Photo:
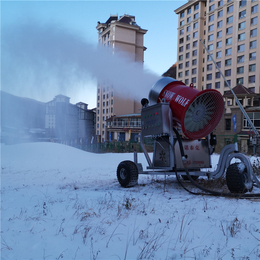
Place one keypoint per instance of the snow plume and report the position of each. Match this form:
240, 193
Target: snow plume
43, 60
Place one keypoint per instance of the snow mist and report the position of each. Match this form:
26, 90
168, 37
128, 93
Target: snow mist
43, 60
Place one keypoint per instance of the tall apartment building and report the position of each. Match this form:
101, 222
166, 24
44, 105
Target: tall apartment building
119, 33
230, 30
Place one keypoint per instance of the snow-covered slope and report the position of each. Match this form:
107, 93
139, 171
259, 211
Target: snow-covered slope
58, 202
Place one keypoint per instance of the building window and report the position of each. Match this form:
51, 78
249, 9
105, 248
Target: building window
188, 37
254, 21
195, 34
240, 70
187, 55
189, 10
186, 82
212, 7
220, 3
209, 67
187, 73
180, 66
242, 3
188, 28
219, 44
194, 71
181, 40
195, 44
210, 37
181, 23
228, 51
229, 30
180, 75
220, 13
242, 14
230, 9
230, 19
210, 47
181, 49
254, 9
218, 54
228, 83
240, 81
251, 79
188, 46
188, 19
196, 25
181, 57
211, 18
217, 85
228, 124
209, 58
181, 31
181, 14
217, 75
211, 28
255, 118
209, 76
252, 67
252, 56
196, 7
194, 62
252, 44
228, 62
196, 16
253, 33
209, 86
194, 53
219, 34
220, 24
242, 26
228, 72
241, 37
240, 59
187, 64
219, 64
229, 41
241, 48
194, 80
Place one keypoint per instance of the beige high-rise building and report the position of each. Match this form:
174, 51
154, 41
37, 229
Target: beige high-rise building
230, 29
119, 33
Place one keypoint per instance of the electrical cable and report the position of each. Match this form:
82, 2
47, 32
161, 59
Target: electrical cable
206, 191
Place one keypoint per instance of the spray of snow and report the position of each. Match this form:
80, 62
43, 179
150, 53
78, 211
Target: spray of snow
42, 60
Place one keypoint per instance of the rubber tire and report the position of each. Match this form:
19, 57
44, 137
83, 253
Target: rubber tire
127, 174
186, 178
237, 180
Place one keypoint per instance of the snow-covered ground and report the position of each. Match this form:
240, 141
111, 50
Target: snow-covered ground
58, 202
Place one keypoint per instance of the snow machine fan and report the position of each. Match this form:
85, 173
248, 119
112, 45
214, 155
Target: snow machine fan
197, 112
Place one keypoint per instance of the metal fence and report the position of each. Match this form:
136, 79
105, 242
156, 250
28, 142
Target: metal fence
128, 147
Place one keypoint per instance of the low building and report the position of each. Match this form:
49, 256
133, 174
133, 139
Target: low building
234, 125
124, 127
68, 123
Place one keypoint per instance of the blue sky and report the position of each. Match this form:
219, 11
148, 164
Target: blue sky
81, 17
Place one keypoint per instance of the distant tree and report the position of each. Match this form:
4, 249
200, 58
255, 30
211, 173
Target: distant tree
171, 72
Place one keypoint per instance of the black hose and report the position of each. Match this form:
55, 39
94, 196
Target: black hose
207, 191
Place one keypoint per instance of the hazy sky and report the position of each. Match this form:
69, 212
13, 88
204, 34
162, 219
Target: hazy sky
24, 65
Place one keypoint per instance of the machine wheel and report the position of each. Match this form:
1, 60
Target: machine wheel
237, 178
127, 174
186, 178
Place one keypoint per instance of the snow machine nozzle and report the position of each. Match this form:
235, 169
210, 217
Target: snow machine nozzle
198, 112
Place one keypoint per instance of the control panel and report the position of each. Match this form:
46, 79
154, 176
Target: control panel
156, 120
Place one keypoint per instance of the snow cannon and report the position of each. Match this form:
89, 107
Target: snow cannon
197, 112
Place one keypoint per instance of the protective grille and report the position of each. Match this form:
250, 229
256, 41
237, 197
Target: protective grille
203, 115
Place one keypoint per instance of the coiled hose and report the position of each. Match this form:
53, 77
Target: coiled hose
206, 191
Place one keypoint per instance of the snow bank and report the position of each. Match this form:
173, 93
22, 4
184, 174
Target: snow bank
58, 202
